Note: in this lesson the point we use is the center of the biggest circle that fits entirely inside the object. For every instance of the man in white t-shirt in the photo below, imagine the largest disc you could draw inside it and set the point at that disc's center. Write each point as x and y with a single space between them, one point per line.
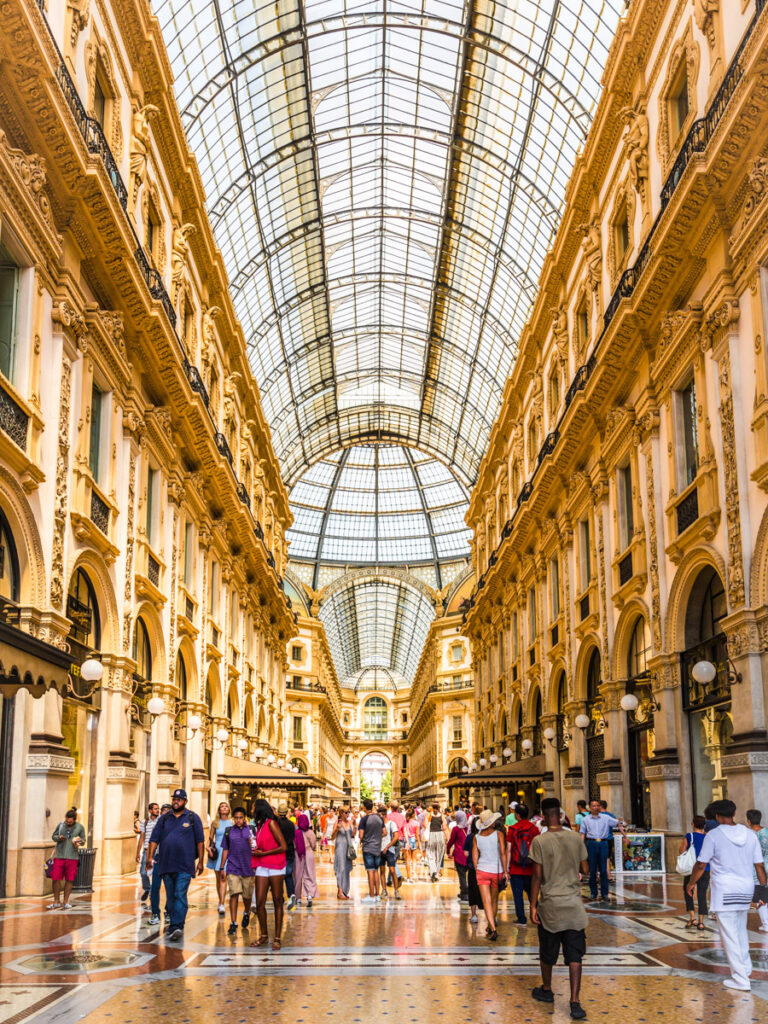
732 852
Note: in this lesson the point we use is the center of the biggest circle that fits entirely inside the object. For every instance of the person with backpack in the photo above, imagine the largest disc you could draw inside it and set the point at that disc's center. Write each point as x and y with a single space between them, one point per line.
519 839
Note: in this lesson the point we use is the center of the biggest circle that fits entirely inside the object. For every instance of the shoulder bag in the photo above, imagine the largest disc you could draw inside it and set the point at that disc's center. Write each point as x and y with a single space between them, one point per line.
687 859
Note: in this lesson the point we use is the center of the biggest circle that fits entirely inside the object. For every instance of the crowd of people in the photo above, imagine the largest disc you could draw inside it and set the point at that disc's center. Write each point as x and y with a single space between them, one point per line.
258 852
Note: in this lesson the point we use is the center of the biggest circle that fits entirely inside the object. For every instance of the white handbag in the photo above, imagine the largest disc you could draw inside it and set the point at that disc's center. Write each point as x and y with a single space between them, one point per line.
686 861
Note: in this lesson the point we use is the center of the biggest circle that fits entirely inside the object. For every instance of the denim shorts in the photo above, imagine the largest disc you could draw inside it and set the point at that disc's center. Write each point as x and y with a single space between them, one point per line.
372 861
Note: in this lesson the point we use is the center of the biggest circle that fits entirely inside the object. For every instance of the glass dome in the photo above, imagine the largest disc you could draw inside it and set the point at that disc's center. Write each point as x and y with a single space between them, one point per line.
378 504
376 677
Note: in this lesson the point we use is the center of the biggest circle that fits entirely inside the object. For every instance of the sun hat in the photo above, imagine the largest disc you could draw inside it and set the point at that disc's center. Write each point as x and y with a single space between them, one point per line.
487 818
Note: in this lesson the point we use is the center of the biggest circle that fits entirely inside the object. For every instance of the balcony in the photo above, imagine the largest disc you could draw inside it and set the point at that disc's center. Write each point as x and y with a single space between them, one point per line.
305 685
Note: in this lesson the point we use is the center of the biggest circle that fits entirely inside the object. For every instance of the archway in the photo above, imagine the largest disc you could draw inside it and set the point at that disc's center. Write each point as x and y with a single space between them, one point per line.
376 776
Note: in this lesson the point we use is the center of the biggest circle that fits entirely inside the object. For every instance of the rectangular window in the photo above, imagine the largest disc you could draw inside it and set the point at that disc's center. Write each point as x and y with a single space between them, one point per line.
99 102
403 762
554 587
689 430
585 555
233 618
501 651
457 652
152 483
296 653
513 627
188 553
679 101
213 594
531 615
94 453
582 323
456 681
10 276
626 514
458 731
622 236
298 729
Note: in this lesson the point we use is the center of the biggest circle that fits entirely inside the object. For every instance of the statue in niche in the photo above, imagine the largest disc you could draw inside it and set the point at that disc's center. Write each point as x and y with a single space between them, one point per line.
139 151
591 244
179 256
636 147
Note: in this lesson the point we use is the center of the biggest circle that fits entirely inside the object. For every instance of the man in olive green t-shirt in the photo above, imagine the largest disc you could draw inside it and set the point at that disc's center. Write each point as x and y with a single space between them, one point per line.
69 836
558 856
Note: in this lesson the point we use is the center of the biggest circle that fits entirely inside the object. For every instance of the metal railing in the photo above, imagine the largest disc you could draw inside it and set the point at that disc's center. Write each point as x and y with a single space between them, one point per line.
13 420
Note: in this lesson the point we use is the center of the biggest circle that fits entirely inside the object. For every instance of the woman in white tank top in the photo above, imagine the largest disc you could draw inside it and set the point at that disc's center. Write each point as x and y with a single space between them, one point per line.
489 856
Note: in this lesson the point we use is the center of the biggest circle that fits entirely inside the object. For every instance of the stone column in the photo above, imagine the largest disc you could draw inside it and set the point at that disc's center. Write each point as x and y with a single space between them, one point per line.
670 800
612 779
164 770
745 764
574 783
118 841
196 782
550 781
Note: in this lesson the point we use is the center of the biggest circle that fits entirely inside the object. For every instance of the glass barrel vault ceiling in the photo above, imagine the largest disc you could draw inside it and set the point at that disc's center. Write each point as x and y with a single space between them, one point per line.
384 179
379 504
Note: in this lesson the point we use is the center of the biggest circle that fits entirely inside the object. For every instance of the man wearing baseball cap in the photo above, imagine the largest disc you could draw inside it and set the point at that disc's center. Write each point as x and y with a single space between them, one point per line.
181 840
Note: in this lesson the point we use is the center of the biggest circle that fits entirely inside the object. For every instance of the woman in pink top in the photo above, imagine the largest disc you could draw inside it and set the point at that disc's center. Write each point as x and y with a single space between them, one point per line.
304 880
411 845
456 841
268 859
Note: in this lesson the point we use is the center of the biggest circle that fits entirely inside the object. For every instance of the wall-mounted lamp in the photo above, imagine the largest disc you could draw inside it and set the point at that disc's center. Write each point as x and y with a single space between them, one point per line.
641 710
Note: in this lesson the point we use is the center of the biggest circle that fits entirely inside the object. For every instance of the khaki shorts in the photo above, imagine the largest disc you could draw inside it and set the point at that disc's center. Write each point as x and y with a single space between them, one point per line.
240 885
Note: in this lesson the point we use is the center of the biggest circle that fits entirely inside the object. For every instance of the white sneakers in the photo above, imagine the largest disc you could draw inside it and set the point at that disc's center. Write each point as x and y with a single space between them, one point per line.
222 910
730 983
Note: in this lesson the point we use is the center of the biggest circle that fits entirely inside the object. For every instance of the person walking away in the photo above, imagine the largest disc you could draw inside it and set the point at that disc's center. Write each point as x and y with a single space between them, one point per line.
511 817
596 829
489 855
304 877
732 852
145 834
342 845
411 848
581 812
269 859
327 831
474 896
437 835
456 841
390 848
288 828
694 839
559 856
219 826
180 837
370 831
155 883
237 866
69 836
519 839
754 820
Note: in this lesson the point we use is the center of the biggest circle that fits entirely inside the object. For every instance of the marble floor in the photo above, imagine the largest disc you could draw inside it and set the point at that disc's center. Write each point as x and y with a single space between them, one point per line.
418 958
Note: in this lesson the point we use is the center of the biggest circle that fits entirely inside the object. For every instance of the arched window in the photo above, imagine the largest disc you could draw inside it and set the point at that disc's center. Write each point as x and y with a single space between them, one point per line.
181 677
594 677
142 651
375 718
403 787
296 762
706 608
538 743
637 660
457 765
83 611
9 563
562 697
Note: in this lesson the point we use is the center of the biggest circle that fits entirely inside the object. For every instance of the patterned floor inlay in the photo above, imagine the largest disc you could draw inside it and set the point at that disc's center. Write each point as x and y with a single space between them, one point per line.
419 957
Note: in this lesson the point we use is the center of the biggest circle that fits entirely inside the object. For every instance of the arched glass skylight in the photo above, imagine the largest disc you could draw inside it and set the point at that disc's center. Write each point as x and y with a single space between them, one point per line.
384 178
378 504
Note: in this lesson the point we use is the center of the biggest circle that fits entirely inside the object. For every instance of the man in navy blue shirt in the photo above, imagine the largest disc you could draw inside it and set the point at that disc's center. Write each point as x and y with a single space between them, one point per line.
180 837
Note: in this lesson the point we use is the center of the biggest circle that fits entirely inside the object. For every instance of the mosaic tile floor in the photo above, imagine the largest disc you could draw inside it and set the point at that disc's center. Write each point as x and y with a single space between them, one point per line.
102 964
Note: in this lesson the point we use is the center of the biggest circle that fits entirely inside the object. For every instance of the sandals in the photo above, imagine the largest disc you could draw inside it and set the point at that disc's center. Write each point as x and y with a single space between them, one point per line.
493 936
261 941
700 926
277 945
690 924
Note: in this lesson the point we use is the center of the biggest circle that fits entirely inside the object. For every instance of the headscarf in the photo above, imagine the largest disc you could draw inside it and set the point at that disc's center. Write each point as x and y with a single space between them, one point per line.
461 819
302 826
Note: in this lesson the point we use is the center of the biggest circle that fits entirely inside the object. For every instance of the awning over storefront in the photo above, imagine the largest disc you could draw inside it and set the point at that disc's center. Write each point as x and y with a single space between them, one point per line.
237 769
30 664
528 769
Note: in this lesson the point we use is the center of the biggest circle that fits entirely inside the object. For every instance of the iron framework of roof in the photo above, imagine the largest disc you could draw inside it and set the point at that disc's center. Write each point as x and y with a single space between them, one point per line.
384 180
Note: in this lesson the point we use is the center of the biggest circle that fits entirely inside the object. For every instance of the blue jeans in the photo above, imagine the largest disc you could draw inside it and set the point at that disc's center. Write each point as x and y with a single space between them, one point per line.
520 884
597 856
177 884
289 886
154 892
146 885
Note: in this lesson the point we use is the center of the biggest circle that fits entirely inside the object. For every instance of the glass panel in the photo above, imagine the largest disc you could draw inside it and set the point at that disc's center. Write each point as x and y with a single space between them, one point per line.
354 154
